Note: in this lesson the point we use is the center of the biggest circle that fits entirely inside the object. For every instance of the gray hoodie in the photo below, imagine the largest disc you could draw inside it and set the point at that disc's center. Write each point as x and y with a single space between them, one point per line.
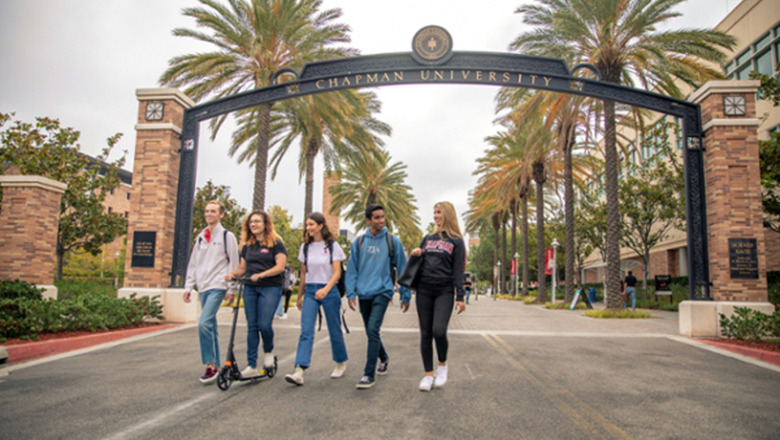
209 261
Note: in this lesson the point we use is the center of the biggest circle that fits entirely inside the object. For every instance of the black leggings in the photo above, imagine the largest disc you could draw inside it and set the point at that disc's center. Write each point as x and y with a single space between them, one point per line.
287 294
434 308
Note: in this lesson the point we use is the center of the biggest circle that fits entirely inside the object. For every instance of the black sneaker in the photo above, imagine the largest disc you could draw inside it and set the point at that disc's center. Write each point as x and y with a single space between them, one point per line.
365 382
381 367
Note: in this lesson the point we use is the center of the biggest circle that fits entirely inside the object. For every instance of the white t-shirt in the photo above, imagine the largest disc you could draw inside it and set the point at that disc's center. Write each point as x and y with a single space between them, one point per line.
319 270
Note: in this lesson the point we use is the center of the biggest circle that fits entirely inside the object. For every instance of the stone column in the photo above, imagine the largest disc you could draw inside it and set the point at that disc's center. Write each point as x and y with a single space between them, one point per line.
737 251
150 228
28 224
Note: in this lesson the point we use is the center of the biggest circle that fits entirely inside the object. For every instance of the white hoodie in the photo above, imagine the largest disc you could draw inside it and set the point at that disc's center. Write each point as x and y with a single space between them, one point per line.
209 261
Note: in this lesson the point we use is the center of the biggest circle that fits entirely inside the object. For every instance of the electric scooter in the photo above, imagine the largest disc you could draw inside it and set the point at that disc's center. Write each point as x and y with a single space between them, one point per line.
230 372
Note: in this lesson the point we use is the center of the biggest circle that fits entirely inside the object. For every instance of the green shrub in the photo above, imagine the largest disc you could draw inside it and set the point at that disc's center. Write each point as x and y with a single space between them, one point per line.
19 289
749 324
620 314
71 289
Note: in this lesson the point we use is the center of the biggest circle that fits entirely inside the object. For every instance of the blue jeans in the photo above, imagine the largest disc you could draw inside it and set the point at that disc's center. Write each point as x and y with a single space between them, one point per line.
210 301
631 291
331 305
259 305
279 309
468 293
373 312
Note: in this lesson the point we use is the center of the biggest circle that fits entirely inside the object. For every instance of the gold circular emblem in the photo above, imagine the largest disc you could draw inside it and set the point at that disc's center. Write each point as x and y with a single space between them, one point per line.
432 43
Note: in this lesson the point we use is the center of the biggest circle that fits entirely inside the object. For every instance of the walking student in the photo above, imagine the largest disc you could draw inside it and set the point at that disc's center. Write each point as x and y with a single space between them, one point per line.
372 260
209 262
263 257
631 289
321 257
440 285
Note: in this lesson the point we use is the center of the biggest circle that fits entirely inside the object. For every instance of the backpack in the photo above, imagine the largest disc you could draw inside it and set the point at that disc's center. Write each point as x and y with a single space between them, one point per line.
224 243
342 283
390 251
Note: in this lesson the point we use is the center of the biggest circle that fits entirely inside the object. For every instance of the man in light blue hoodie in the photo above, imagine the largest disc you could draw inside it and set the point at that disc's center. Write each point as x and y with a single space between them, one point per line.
371 277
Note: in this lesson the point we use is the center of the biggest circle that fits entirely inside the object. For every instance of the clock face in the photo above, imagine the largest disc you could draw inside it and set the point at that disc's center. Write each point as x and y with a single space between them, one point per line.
734 105
154 111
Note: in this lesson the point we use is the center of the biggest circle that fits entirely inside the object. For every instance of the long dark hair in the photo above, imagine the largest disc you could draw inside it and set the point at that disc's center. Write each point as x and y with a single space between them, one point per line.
318 218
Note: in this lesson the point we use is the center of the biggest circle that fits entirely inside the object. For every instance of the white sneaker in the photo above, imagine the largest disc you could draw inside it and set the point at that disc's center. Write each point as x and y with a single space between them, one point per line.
426 383
441 376
268 361
295 378
249 371
341 367
283 316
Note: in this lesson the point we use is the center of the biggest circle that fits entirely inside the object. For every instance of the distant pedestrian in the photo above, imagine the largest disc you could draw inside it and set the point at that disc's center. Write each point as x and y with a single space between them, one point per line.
321 257
370 278
441 284
467 288
631 289
214 254
263 257
287 286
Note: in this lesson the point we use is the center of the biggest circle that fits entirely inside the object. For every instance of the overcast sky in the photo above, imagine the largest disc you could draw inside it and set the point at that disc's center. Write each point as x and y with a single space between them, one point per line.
80 61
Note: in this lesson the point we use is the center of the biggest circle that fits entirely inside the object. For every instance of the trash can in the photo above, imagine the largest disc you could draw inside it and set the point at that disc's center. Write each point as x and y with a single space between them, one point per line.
592 295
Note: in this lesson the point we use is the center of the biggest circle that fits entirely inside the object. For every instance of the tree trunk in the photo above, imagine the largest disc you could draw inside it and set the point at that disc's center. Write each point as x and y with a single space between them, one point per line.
524 198
495 253
539 178
261 158
60 262
568 208
504 268
513 207
612 242
311 154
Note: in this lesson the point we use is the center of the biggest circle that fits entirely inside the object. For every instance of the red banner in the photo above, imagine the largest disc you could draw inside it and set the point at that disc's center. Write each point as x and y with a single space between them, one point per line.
548 261
513 267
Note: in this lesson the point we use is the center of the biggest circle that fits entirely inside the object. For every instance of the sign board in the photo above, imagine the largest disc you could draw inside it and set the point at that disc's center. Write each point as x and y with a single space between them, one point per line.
743 257
662 283
143 248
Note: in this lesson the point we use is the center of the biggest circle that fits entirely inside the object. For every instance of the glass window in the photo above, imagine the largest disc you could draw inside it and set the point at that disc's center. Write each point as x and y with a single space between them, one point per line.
763 41
743 58
729 69
764 62
744 73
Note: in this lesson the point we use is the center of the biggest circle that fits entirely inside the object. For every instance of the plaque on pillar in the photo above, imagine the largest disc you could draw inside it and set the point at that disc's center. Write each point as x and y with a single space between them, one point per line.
743 257
143 248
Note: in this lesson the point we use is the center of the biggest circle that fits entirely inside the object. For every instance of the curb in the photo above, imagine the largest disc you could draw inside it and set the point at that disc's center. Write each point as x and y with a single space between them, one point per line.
761 355
35 350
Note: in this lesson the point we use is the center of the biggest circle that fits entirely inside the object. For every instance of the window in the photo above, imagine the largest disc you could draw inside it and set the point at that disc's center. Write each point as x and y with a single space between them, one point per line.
763 41
764 62
110 210
127 214
743 58
128 196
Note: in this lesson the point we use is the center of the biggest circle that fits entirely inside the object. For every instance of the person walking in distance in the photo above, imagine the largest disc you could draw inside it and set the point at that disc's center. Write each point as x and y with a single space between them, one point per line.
214 254
631 289
373 261
263 257
321 258
467 288
440 285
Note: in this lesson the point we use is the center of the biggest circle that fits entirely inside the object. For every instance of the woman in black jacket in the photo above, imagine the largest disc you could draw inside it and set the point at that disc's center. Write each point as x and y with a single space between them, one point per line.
440 285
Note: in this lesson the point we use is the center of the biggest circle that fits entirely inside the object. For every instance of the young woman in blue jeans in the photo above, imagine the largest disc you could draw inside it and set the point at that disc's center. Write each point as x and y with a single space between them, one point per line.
263 258
319 275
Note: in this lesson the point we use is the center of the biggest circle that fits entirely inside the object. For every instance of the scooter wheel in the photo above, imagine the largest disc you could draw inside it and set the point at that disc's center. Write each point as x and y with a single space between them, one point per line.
224 379
271 372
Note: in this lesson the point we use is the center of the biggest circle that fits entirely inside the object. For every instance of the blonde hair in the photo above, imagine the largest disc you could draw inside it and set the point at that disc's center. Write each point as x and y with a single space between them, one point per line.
449 221
269 235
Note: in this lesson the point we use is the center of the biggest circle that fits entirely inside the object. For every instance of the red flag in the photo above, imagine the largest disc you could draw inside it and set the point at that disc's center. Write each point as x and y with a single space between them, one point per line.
548 261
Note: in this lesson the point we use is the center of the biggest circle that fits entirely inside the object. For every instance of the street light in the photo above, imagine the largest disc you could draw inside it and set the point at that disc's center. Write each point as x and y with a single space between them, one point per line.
554 271
517 272
498 281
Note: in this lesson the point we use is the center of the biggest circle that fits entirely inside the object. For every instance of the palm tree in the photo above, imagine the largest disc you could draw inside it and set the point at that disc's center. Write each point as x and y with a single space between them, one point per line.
366 180
253 39
620 38
340 125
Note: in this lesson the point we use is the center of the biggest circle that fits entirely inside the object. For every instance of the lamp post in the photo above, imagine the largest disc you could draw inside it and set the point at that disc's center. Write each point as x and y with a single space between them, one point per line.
517 272
498 281
554 271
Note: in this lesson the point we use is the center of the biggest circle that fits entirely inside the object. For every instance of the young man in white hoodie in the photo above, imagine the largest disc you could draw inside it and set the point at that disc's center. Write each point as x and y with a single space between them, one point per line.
370 278
214 255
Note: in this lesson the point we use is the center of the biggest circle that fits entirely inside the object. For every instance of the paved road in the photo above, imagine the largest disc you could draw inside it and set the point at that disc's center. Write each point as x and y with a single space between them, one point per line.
516 372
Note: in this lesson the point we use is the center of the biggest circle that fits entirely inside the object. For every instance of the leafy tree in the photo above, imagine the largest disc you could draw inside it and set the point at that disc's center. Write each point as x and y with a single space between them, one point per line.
234 213
292 236
47 149
253 39
621 39
769 155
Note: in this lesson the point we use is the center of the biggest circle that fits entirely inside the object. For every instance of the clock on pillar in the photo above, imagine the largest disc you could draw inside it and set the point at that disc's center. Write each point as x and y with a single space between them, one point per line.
734 105
154 111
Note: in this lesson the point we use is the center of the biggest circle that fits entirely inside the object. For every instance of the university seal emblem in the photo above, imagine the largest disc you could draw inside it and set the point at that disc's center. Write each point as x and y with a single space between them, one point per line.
432 45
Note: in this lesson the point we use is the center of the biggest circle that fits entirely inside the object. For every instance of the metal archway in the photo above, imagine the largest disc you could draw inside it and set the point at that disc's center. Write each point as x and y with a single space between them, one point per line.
448 67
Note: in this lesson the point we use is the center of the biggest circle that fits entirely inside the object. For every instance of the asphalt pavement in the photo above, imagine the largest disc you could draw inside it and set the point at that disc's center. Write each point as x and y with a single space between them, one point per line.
516 372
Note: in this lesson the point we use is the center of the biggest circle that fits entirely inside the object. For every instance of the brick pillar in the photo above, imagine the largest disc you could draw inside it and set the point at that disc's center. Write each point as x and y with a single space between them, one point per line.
153 197
28 224
737 251
333 220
